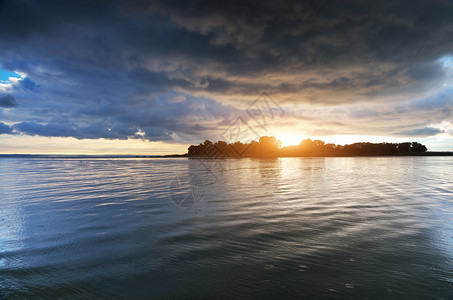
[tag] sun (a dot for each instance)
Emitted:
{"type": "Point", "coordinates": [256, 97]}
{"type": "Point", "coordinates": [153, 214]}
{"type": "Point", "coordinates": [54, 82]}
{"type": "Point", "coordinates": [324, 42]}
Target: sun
{"type": "Point", "coordinates": [289, 139]}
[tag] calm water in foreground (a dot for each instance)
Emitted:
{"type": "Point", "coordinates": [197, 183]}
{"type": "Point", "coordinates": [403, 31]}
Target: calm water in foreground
{"type": "Point", "coordinates": [247, 228]}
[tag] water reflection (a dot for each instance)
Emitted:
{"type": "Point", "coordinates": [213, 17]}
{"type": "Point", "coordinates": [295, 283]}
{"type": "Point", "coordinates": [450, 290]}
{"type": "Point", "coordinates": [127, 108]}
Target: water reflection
{"type": "Point", "coordinates": [12, 224]}
{"type": "Point", "coordinates": [275, 228]}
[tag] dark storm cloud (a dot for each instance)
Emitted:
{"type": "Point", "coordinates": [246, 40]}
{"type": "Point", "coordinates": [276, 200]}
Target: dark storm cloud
{"type": "Point", "coordinates": [7, 101]}
{"type": "Point", "coordinates": [113, 69]}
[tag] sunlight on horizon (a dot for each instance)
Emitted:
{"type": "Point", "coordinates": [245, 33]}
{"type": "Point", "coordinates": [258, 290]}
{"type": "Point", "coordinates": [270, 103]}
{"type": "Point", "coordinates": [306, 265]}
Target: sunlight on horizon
{"type": "Point", "coordinates": [290, 139]}
{"type": "Point", "coordinates": [22, 144]}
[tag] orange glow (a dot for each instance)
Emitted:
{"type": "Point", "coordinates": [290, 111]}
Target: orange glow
{"type": "Point", "coordinates": [289, 139]}
{"type": "Point", "coordinates": [351, 139]}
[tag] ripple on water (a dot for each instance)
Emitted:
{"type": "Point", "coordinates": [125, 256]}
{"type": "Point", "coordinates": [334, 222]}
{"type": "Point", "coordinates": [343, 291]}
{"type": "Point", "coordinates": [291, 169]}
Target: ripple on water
{"type": "Point", "coordinates": [274, 228]}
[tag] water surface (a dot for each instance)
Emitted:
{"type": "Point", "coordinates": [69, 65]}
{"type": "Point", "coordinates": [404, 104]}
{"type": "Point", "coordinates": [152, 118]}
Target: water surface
{"type": "Point", "coordinates": [241, 228]}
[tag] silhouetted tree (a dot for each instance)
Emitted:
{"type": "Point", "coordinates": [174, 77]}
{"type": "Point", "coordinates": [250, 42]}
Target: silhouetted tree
{"type": "Point", "coordinates": [270, 146]}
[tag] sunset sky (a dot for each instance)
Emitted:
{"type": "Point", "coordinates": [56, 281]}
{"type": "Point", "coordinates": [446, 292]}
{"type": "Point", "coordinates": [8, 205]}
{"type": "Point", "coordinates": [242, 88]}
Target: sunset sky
{"type": "Point", "coordinates": [153, 77]}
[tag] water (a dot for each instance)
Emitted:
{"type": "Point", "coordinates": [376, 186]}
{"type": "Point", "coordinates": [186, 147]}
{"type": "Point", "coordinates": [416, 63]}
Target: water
{"type": "Point", "coordinates": [250, 228]}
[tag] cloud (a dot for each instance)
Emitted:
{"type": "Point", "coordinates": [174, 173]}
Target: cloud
{"type": "Point", "coordinates": [93, 131]}
{"type": "Point", "coordinates": [178, 99]}
{"type": "Point", "coordinates": [421, 132]}
{"type": "Point", "coordinates": [27, 84]}
{"type": "Point", "coordinates": [7, 101]}
{"type": "Point", "coordinates": [110, 69]}
{"type": "Point", "coordinates": [4, 129]}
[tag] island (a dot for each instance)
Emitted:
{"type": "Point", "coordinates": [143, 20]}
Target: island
{"type": "Point", "coordinates": [269, 146]}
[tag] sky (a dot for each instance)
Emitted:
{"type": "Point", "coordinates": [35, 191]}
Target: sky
{"type": "Point", "coordinates": [153, 77]}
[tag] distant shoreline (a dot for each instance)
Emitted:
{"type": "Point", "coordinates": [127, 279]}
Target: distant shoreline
{"type": "Point", "coordinates": [88, 156]}
{"type": "Point", "coordinates": [433, 153]}
{"type": "Point", "coordinates": [429, 153]}
{"type": "Point", "coordinates": [269, 146]}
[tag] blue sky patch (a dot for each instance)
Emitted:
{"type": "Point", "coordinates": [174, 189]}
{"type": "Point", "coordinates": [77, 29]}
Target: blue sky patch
{"type": "Point", "coordinates": [5, 75]}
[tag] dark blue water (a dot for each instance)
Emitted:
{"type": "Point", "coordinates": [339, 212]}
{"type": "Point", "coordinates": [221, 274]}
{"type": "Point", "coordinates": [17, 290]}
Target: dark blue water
{"type": "Point", "coordinates": [244, 228]}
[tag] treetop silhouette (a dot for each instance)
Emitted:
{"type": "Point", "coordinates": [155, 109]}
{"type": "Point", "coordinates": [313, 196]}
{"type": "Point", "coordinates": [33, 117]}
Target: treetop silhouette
{"type": "Point", "coordinates": [269, 146]}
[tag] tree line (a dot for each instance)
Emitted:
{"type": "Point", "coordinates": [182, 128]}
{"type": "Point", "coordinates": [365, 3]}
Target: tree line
{"type": "Point", "coordinates": [269, 146]}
